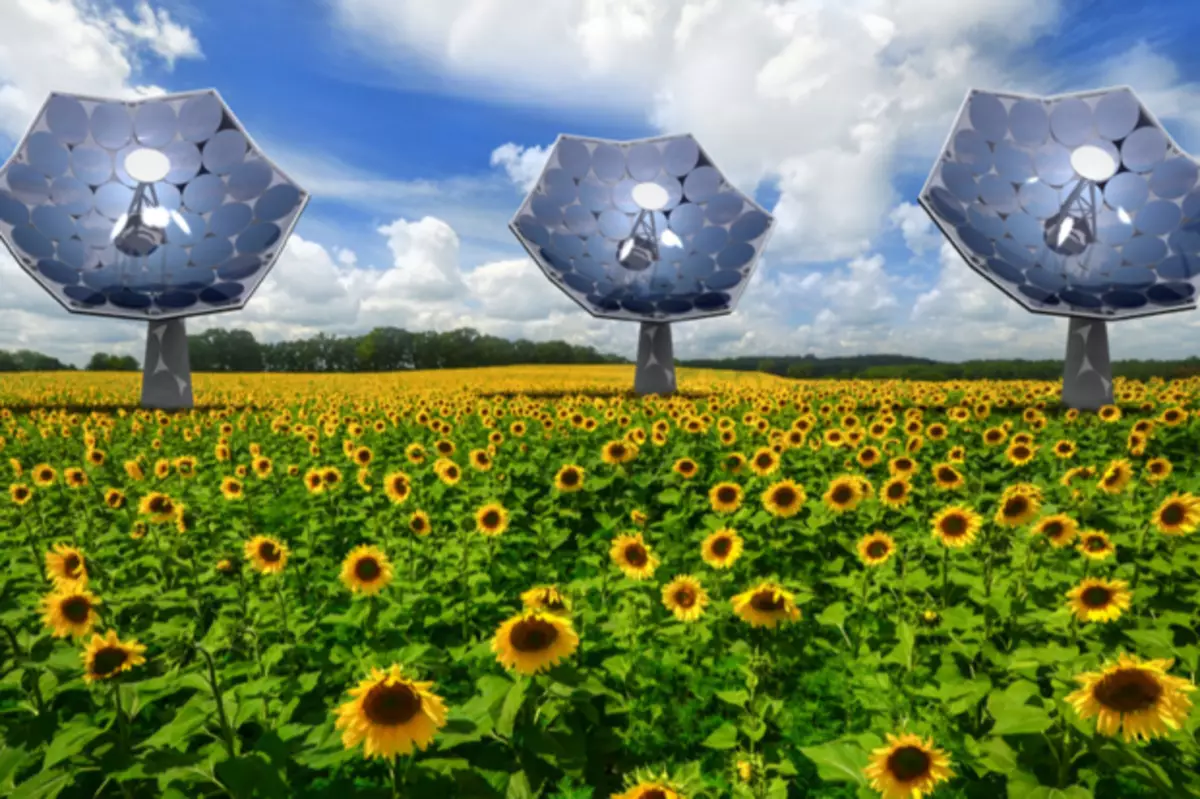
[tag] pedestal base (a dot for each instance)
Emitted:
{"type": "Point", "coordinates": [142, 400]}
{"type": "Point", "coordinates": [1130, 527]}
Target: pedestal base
{"type": "Point", "coordinates": [655, 360]}
{"type": "Point", "coordinates": [1087, 374]}
{"type": "Point", "coordinates": [167, 370]}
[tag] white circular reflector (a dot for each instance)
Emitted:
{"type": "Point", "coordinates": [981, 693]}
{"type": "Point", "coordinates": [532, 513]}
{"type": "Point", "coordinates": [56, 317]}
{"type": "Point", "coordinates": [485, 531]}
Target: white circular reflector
{"type": "Point", "coordinates": [147, 166]}
{"type": "Point", "coordinates": [1093, 163]}
{"type": "Point", "coordinates": [650, 196]}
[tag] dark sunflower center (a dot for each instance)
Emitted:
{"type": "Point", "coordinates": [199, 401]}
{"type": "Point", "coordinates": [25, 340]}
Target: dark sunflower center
{"type": "Point", "coordinates": [903, 465]}
{"type": "Point", "coordinates": [617, 451]}
{"type": "Point", "coordinates": [785, 496]}
{"type": "Point", "coordinates": [45, 475]}
{"type": "Point", "coordinates": [635, 555]}
{"type": "Point", "coordinates": [908, 763]}
{"type": "Point", "coordinates": [72, 564]}
{"type": "Point", "coordinates": [763, 461]}
{"type": "Point", "coordinates": [1064, 447]}
{"type": "Point", "coordinates": [315, 480]}
{"type": "Point", "coordinates": [1095, 544]}
{"type": "Point", "coordinates": [491, 519]}
{"type": "Point", "coordinates": [1112, 478]}
{"type": "Point", "coordinates": [330, 477]}
{"type": "Point", "coordinates": [367, 569]}
{"type": "Point", "coordinates": [1053, 529]}
{"type": "Point", "coordinates": [75, 609]}
{"type": "Point", "coordinates": [1096, 596]}
{"type": "Point", "coordinates": [234, 488]}
{"type": "Point", "coordinates": [877, 549]}
{"type": "Point", "coordinates": [1128, 691]}
{"type": "Point", "coordinates": [363, 456]}
{"type": "Point", "coordinates": [686, 467]}
{"type": "Point", "coordinates": [1015, 506]}
{"type": "Point", "coordinates": [268, 552]}
{"type": "Point", "coordinates": [656, 793]}
{"type": "Point", "coordinates": [1156, 468]}
{"type": "Point", "coordinates": [108, 660]}
{"type": "Point", "coordinates": [1173, 513]}
{"type": "Point", "coordinates": [533, 635]}
{"type": "Point", "coordinates": [685, 598]}
{"type": "Point", "coordinates": [843, 494]}
{"type": "Point", "coordinates": [160, 505]}
{"type": "Point", "coordinates": [400, 485]}
{"type": "Point", "coordinates": [993, 436]}
{"type": "Point", "coordinates": [443, 448]}
{"type": "Point", "coordinates": [570, 477]}
{"type": "Point", "coordinates": [946, 475]}
{"type": "Point", "coordinates": [727, 494]}
{"type": "Point", "coordinates": [391, 705]}
{"type": "Point", "coordinates": [21, 493]}
{"type": "Point", "coordinates": [452, 472]}
{"type": "Point", "coordinates": [721, 546]}
{"type": "Point", "coordinates": [1021, 452]}
{"type": "Point", "coordinates": [954, 525]}
{"type": "Point", "coordinates": [767, 602]}
{"type": "Point", "coordinates": [895, 490]}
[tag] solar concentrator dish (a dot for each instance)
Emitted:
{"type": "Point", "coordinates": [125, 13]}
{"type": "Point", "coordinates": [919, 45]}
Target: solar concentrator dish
{"type": "Point", "coordinates": [149, 209]}
{"type": "Point", "coordinates": [598, 202]}
{"type": "Point", "coordinates": [1076, 205]}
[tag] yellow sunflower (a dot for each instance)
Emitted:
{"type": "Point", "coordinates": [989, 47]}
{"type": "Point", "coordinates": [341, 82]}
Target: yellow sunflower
{"type": "Point", "coordinates": [1059, 529]}
{"type": "Point", "coordinates": [267, 554]}
{"type": "Point", "coordinates": [956, 526]}
{"type": "Point", "coordinates": [764, 462]}
{"type": "Point", "coordinates": [491, 519]}
{"type": "Point", "coordinates": [1158, 469]}
{"type": "Point", "coordinates": [843, 494]}
{"type": "Point", "coordinates": [721, 548]}
{"type": "Point", "coordinates": [1136, 698]}
{"type": "Point", "coordinates": [1096, 545]}
{"type": "Point", "coordinates": [766, 605]}
{"type": "Point", "coordinates": [418, 522]}
{"type": "Point", "coordinates": [366, 569]}
{"type": "Point", "coordinates": [313, 481]}
{"type": "Point", "coordinates": [1019, 453]}
{"type": "Point", "coordinates": [875, 549]}
{"type": "Point", "coordinates": [43, 475]}
{"type": "Point", "coordinates": [20, 493]}
{"type": "Point", "coordinates": [70, 611]}
{"type": "Point", "coordinates": [533, 641]}
{"type": "Point", "coordinates": [633, 557]}
{"type": "Point", "coordinates": [447, 471]}
{"type": "Point", "coordinates": [158, 506]}
{"type": "Point", "coordinates": [107, 657]}
{"type": "Point", "coordinates": [1097, 599]}
{"type": "Point", "coordinates": [685, 597]}
{"type": "Point", "coordinates": [649, 789]}
{"type": "Point", "coordinates": [547, 598]}
{"type": "Point", "coordinates": [895, 492]}
{"type": "Point", "coordinates": [231, 488]}
{"type": "Point", "coordinates": [946, 477]}
{"type": "Point", "coordinates": [398, 487]}
{"type": "Point", "coordinates": [569, 478]}
{"type": "Point", "coordinates": [390, 714]}
{"type": "Point", "coordinates": [907, 767]}
{"type": "Point", "coordinates": [1115, 477]}
{"type": "Point", "coordinates": [784, 498]}
{"type": "Point", "coordinates": [1179, 514]}
{"type": "Point", "coordinates": [1017, 509]}
{"type": "Point", "coordinates": [616, 452]}
{"type": "Point", "coordinates": [66, 567]}
{"type": "Point", "coordinates": [725, 497]}
{"type": "Point", "coordinates": [686, 468]}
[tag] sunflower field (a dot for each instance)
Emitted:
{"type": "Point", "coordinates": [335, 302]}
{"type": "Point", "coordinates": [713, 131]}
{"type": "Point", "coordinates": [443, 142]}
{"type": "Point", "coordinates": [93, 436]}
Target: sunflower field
{"type": "Point", "coordinates": [523, 583]}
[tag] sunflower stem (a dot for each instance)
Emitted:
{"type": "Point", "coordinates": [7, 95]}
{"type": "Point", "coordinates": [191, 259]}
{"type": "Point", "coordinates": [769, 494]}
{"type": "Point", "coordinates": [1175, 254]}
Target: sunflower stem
{"type": "Point", "coordinates": [945, 576]}
{"type": "Point", "coordinates": [226, 729]}
{"type": "Point", "coordinates": [287, 633]}
{"type": "Point", "coordinates": [1137, 567]}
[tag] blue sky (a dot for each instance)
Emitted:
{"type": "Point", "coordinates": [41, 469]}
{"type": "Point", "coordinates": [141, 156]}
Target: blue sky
{"type": "Point", "coordinates": [395, 109]}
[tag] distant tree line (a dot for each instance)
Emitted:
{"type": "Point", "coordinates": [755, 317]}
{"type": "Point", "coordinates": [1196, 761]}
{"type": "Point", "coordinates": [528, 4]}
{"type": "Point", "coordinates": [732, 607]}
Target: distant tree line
{"type": "Point", "coordinates": [384, 349]}
{"type": "Point", "coordinates": [904, 367]}
{"type": "Point", "coordinates": [387, 349]}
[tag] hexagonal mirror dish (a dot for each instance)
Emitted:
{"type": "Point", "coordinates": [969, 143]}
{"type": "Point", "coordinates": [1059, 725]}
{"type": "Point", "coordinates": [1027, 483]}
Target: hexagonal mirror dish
{"type": "Point", "coordinates": [644, 230]}
{"type": "Point", "coordinates": [154, 209]}
{"type": "Point", "coordinates": [1078, 205]}
{"type": "Point", "coordinates": [1075, 205]}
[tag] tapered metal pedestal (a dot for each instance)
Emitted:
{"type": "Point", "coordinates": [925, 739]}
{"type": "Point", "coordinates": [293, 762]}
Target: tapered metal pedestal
{"type": "Point", "coordinates": [167, 370]}
{"type": "Point", "coordinates": [655, 360]}
{"type": "Point", "coordinates": [1087, 374]}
